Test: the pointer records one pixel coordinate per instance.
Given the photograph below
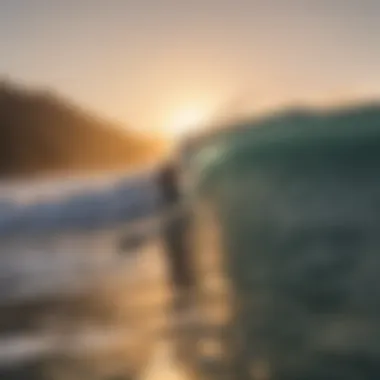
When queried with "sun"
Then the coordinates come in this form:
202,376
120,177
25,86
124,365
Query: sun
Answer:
187,120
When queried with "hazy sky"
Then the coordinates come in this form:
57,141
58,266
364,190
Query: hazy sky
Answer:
139,61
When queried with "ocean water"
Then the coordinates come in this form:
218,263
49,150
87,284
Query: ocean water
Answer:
83,282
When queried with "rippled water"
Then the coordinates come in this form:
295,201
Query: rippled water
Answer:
108,326
76,299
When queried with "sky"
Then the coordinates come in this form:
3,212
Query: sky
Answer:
152,64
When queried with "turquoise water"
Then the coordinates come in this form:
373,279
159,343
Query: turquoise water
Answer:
298,199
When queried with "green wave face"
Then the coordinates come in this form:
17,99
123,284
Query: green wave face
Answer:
298,199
